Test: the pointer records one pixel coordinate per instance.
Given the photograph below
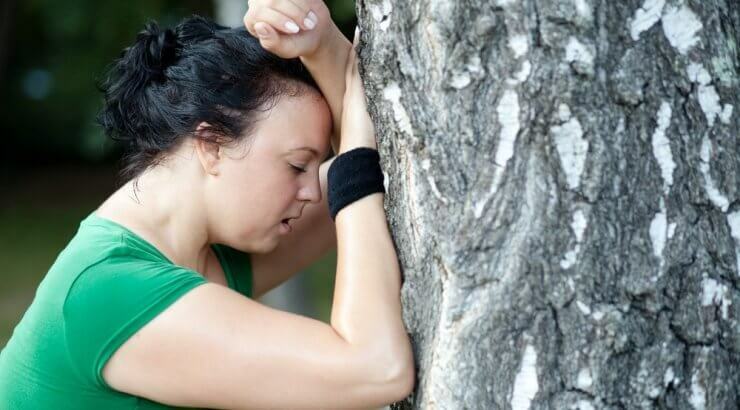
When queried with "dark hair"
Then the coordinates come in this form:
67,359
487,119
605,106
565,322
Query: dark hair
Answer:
168,81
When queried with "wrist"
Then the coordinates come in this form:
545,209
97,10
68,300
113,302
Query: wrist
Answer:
345,146
332,45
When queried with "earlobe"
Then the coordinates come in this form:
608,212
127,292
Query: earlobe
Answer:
207,148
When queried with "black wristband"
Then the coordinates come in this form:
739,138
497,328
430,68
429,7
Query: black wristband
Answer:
353,174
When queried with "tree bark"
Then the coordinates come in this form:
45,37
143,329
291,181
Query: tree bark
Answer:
564,194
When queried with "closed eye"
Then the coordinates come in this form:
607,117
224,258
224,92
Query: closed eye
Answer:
297,169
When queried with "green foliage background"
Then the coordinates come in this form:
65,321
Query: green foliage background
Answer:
71,42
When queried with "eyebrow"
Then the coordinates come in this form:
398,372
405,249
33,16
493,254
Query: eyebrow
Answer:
313,151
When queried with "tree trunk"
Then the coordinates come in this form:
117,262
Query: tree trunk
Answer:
564,194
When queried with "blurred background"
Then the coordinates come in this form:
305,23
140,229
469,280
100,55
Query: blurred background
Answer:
56,166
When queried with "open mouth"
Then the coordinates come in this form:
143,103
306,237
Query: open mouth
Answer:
286,224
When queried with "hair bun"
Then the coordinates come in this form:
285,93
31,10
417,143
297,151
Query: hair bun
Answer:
160,50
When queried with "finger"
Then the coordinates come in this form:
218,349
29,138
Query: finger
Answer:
280,44
277,20
290,22
266,32
297,11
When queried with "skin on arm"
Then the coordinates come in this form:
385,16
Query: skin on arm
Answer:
368,276
327,68
323,49
214,348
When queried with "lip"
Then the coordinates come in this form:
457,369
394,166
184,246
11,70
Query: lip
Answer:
285,228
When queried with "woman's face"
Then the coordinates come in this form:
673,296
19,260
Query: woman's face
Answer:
271,175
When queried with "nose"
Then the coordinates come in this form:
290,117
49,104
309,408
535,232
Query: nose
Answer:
311,192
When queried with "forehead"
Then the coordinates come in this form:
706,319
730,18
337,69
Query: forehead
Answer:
297,121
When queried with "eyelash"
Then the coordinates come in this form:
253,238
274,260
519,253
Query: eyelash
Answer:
297,169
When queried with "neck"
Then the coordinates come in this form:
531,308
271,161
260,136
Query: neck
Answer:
165,209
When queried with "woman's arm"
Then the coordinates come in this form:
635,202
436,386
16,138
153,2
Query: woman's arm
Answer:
367,294
314,38
327,66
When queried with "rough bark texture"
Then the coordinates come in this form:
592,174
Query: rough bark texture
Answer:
564,195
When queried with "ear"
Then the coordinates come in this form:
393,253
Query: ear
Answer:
208,149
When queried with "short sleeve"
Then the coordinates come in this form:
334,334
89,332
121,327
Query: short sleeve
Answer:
111,300
237,267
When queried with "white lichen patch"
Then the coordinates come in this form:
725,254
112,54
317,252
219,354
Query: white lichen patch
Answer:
583,9
426,165
508,118
715,293
698,74
645,16
563,112
733,219
392,93
662,146
706,93
382,13
584,380
726,114
715,196
583,307
680,26
569,259
460,80
525,383
709,102
518,44
671,229
572,149
578,224
659,232
698,398
521,75
576,51
583,405
386,180
668,376
472,69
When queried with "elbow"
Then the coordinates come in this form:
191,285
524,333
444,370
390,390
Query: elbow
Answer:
405,382
402,379
388,378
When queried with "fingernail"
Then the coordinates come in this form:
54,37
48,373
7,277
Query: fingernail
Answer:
292,27
309,23
261,30
313,17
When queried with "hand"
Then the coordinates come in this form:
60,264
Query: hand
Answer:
289,28
357,127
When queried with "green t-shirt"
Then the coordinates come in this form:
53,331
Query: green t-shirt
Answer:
104,286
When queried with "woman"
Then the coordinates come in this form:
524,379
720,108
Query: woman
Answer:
226,196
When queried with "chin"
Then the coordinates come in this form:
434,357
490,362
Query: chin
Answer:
267,246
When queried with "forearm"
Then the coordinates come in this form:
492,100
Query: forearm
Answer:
367,300
327,68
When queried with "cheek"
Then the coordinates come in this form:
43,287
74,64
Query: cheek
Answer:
253,200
